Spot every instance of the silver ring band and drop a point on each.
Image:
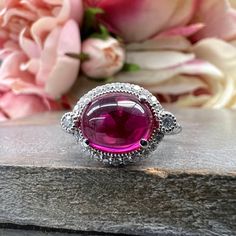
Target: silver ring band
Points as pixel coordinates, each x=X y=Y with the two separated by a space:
x=119 y=123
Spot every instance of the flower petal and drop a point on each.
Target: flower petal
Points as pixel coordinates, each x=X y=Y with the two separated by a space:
x=219 y=19
x=222 y=55
x=217 y=52
x=131 y=18
x=31 y=66
x=65 y=70
x=153 y=77
x=233 y=3
x=17 y=106
x=29 y=47
x=15 y=12
x=178 y=43
x=158 y=59
x=3 y=117
x=182 y=31
x=76 y=10
x=191 y=100
x=48 y=55
x=41 y=28
x=11 y=66
x=179 y=85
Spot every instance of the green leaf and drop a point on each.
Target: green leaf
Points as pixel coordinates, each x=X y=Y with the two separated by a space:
x=92 y=11
x=130 y=67
x=90 y=15
x=79 y=56
x=102 y=34
x=104 y=30
x=89 y=22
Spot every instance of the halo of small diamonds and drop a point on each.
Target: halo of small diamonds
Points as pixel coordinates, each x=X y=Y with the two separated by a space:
x=167 y=123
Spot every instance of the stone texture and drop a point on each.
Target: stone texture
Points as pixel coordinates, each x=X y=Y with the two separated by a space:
x=187 y=187
x=22 y=232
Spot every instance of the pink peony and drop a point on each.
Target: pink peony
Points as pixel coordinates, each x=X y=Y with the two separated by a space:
x=33 y=42
x=17 y=106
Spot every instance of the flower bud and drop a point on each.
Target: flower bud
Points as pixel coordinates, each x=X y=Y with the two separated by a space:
x=106 y=57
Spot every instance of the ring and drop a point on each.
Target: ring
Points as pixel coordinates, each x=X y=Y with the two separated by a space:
x=119 y=123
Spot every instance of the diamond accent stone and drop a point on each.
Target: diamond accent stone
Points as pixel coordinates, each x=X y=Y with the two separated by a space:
x=68 y=122
x=168 y=122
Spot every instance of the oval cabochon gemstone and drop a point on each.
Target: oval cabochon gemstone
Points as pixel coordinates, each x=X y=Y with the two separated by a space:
x=116 y=123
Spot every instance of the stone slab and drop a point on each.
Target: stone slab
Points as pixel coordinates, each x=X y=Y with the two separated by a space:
x=187 y=187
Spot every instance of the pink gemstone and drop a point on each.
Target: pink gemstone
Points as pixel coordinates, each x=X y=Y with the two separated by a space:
x=117 y=122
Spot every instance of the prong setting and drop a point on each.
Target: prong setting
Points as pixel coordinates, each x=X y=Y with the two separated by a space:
x=143 y=143
x=86 y=143
x=143 y=98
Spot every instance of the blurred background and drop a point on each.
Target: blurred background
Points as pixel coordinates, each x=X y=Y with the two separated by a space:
x=52 y=52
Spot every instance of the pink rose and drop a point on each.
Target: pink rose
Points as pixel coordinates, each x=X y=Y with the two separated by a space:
x=137 y=20
x=174 y=68
x=106 y=57
x=33 y=42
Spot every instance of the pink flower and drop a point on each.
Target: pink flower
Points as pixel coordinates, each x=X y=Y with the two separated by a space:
x=34 y=37
x=106 y=57
x=137 y=20
x=16 y=106
x=172 y=43
x=218 y=18
x=35 y=17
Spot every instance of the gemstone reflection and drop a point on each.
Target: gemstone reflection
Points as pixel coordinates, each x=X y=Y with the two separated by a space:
x=117 y=122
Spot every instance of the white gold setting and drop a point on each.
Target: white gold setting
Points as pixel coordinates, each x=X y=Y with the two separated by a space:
x=167 y=123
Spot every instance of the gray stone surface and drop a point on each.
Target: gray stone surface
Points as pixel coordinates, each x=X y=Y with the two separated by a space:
x=187 y=187
x=19 y=232
x=206 y=144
